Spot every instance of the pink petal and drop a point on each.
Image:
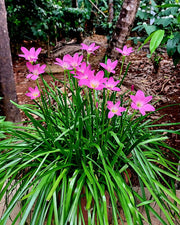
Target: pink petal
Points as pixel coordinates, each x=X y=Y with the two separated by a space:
x=29 y=75
x=100 y=75
x=43 y=66
x=31 y=89
x=36 y=88
x=38 y=51
x=125 y=48
x=110 y=104
x=117 y=104
x=29 y=66
x=134 y=106
x=119 y=50
x=84 y=46
x=92 y=45
x=24 y=50
x=95 y=48
x=34 y=77
x=114 y=64
x=133 y=98
x=103 y=65
x=58 y=60
x=110 y=114
x=148 y=107
x=142 y=111
x=147 y=99
x=118 y=113
x=116 y=89
x=28 y=94
x=140 y=95
x=32 y=51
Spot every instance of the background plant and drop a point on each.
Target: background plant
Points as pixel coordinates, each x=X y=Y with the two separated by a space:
x=52 y=19
x=161 y=16
x=44 y=20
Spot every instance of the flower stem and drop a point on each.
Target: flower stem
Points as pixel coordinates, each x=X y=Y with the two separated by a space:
x=65 y=82
x=88 y=55
x=123 y=58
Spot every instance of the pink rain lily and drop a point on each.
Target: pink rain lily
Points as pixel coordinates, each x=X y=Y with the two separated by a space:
x=109 y=66
x=35 y=70
x=111 y=84
x=84 y=77
x=95 y=82
x=74 y=60
x=114 y=109
x=81 y=70
x=139 y=102
x=64 y=63
x=34 y=93
x=90 y=49
x=30 y=55
x=83 y=73
x=126 y=51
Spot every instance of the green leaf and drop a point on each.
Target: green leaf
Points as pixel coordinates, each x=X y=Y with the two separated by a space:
x=168 y=5
x=164 y=21
x=171 y=46
x=56 y=184
x=156 y=40
x=178 y=48
x=150 y=28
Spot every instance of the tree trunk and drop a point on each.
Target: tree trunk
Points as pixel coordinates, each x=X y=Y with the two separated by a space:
x=7 y=83
x=123 y=27
x=111 y=11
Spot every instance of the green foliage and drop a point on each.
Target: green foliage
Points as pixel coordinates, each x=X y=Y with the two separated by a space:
x=69 y=150
x=33 y=19
x=43 y=20
x=164 y=16
x=102 y=25
x=51 y=19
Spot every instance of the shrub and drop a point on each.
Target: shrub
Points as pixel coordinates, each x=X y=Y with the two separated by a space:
x=161 y=17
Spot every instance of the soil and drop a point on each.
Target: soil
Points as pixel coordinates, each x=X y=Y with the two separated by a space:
x=162 y=81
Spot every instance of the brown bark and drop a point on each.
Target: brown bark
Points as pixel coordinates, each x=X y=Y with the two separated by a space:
x=7 y=83
x=111 y=11
x=123 y=27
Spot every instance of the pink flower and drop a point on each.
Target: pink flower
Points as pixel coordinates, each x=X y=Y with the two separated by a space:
x=81 y=70
x=34 y=93
x=139 y=101
x=95 y=82
x=35 y=70
x=90 y=49
x=111 y=84
x=110 y=66
x=75 y=60
x=83 y=73
x=125 y=51
x=30 y=55
x=114 y=109
x=64 y=63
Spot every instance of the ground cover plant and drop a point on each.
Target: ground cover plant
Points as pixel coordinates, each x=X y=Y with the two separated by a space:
x=79 y=142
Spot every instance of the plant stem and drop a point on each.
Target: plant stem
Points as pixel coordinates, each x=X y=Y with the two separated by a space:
x=123 y=58
x=65 y=82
